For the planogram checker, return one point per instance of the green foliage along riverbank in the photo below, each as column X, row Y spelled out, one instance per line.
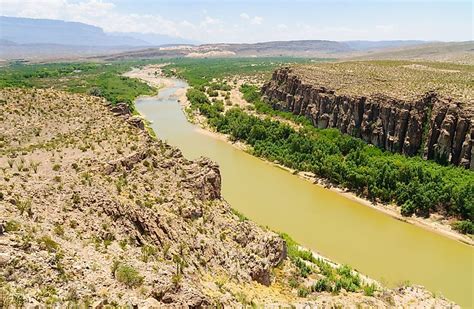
column 417, row 186
column 99, row 79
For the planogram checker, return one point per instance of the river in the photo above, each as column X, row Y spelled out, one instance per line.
column 322, row 220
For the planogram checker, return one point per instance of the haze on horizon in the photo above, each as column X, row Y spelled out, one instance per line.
column 263, row 20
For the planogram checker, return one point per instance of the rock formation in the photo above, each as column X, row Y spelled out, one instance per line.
column 430, row 124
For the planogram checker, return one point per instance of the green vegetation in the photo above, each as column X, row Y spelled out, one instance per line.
column 333, row 279
column 12, row 226
column 418, row 186
column 464, row 226
column 127, row 274
column 201, row 72
column 99, row 79
column 46, row 243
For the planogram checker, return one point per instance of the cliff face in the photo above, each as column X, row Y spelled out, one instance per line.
column 436, row 127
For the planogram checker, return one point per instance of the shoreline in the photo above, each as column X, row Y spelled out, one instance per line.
column 390, row 210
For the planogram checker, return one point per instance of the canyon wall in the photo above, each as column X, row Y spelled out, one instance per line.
column 435, row 127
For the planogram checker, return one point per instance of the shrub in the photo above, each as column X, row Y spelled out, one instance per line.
column 303, row 292
column 58, row 229
column 465, row 227
column 47, row 243
column 12, row 226
column 369, row 289
column 95, row 91
column 128, row 275
column 148, row 252
column 322, row 285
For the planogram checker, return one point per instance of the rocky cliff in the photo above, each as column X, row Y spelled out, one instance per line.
column 429, row 123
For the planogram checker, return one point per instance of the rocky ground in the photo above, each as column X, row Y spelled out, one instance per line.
column 96, row 211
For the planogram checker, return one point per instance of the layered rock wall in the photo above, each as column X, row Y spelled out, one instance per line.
column 436, row 127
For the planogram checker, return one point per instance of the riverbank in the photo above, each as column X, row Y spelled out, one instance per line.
column 392, row 210
column 432, row 224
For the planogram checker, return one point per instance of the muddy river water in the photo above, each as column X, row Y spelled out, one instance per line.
column 322, row 220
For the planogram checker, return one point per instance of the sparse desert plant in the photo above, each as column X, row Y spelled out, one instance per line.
column 34, row 166
column 166, row 249
column 75, row 166
column 73, row 224
column 20, row 166
column 176, row 279
column 58, row 229
column 128, row 275
column 76, row 198
column 12, row 226
column 303, row 292
column 322, row 285
column 369, row 289
column 56, row 167
column 148, row 252
column 123, row 244
column 46, row 243
column 86, row 178
column 24, row 207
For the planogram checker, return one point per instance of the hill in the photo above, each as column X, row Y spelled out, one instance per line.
column 459, row 52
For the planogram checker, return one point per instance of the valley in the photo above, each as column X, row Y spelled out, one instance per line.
column 142, row 189
column 236, row 154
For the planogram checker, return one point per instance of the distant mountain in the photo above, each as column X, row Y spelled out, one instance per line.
column 157, row 39
column 375, row 45
column 459, row 52
column 300, row 47
column 48, row 31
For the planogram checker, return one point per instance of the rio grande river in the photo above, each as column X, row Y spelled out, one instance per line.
column 341, row 229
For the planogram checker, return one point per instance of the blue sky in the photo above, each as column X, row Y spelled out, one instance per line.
column 264, row 20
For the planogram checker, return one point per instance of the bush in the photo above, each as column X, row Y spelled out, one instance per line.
column 465, row 227
column 95, row 91
column 12, row 226
column 47, row 243
column 303, row 292
column 369, row 289
column 322, row 285
column 128, row 275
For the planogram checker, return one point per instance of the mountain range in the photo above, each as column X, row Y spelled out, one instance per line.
column 41, row 39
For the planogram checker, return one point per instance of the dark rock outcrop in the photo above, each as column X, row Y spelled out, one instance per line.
column 431, row 125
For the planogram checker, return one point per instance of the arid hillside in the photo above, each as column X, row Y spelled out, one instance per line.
column 95, row 211
column 404, row 107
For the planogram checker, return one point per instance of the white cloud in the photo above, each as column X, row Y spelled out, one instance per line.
column 256, row 20
column 104, row 14
column 244, row 16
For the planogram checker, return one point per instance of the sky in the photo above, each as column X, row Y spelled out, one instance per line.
column 250, row 21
